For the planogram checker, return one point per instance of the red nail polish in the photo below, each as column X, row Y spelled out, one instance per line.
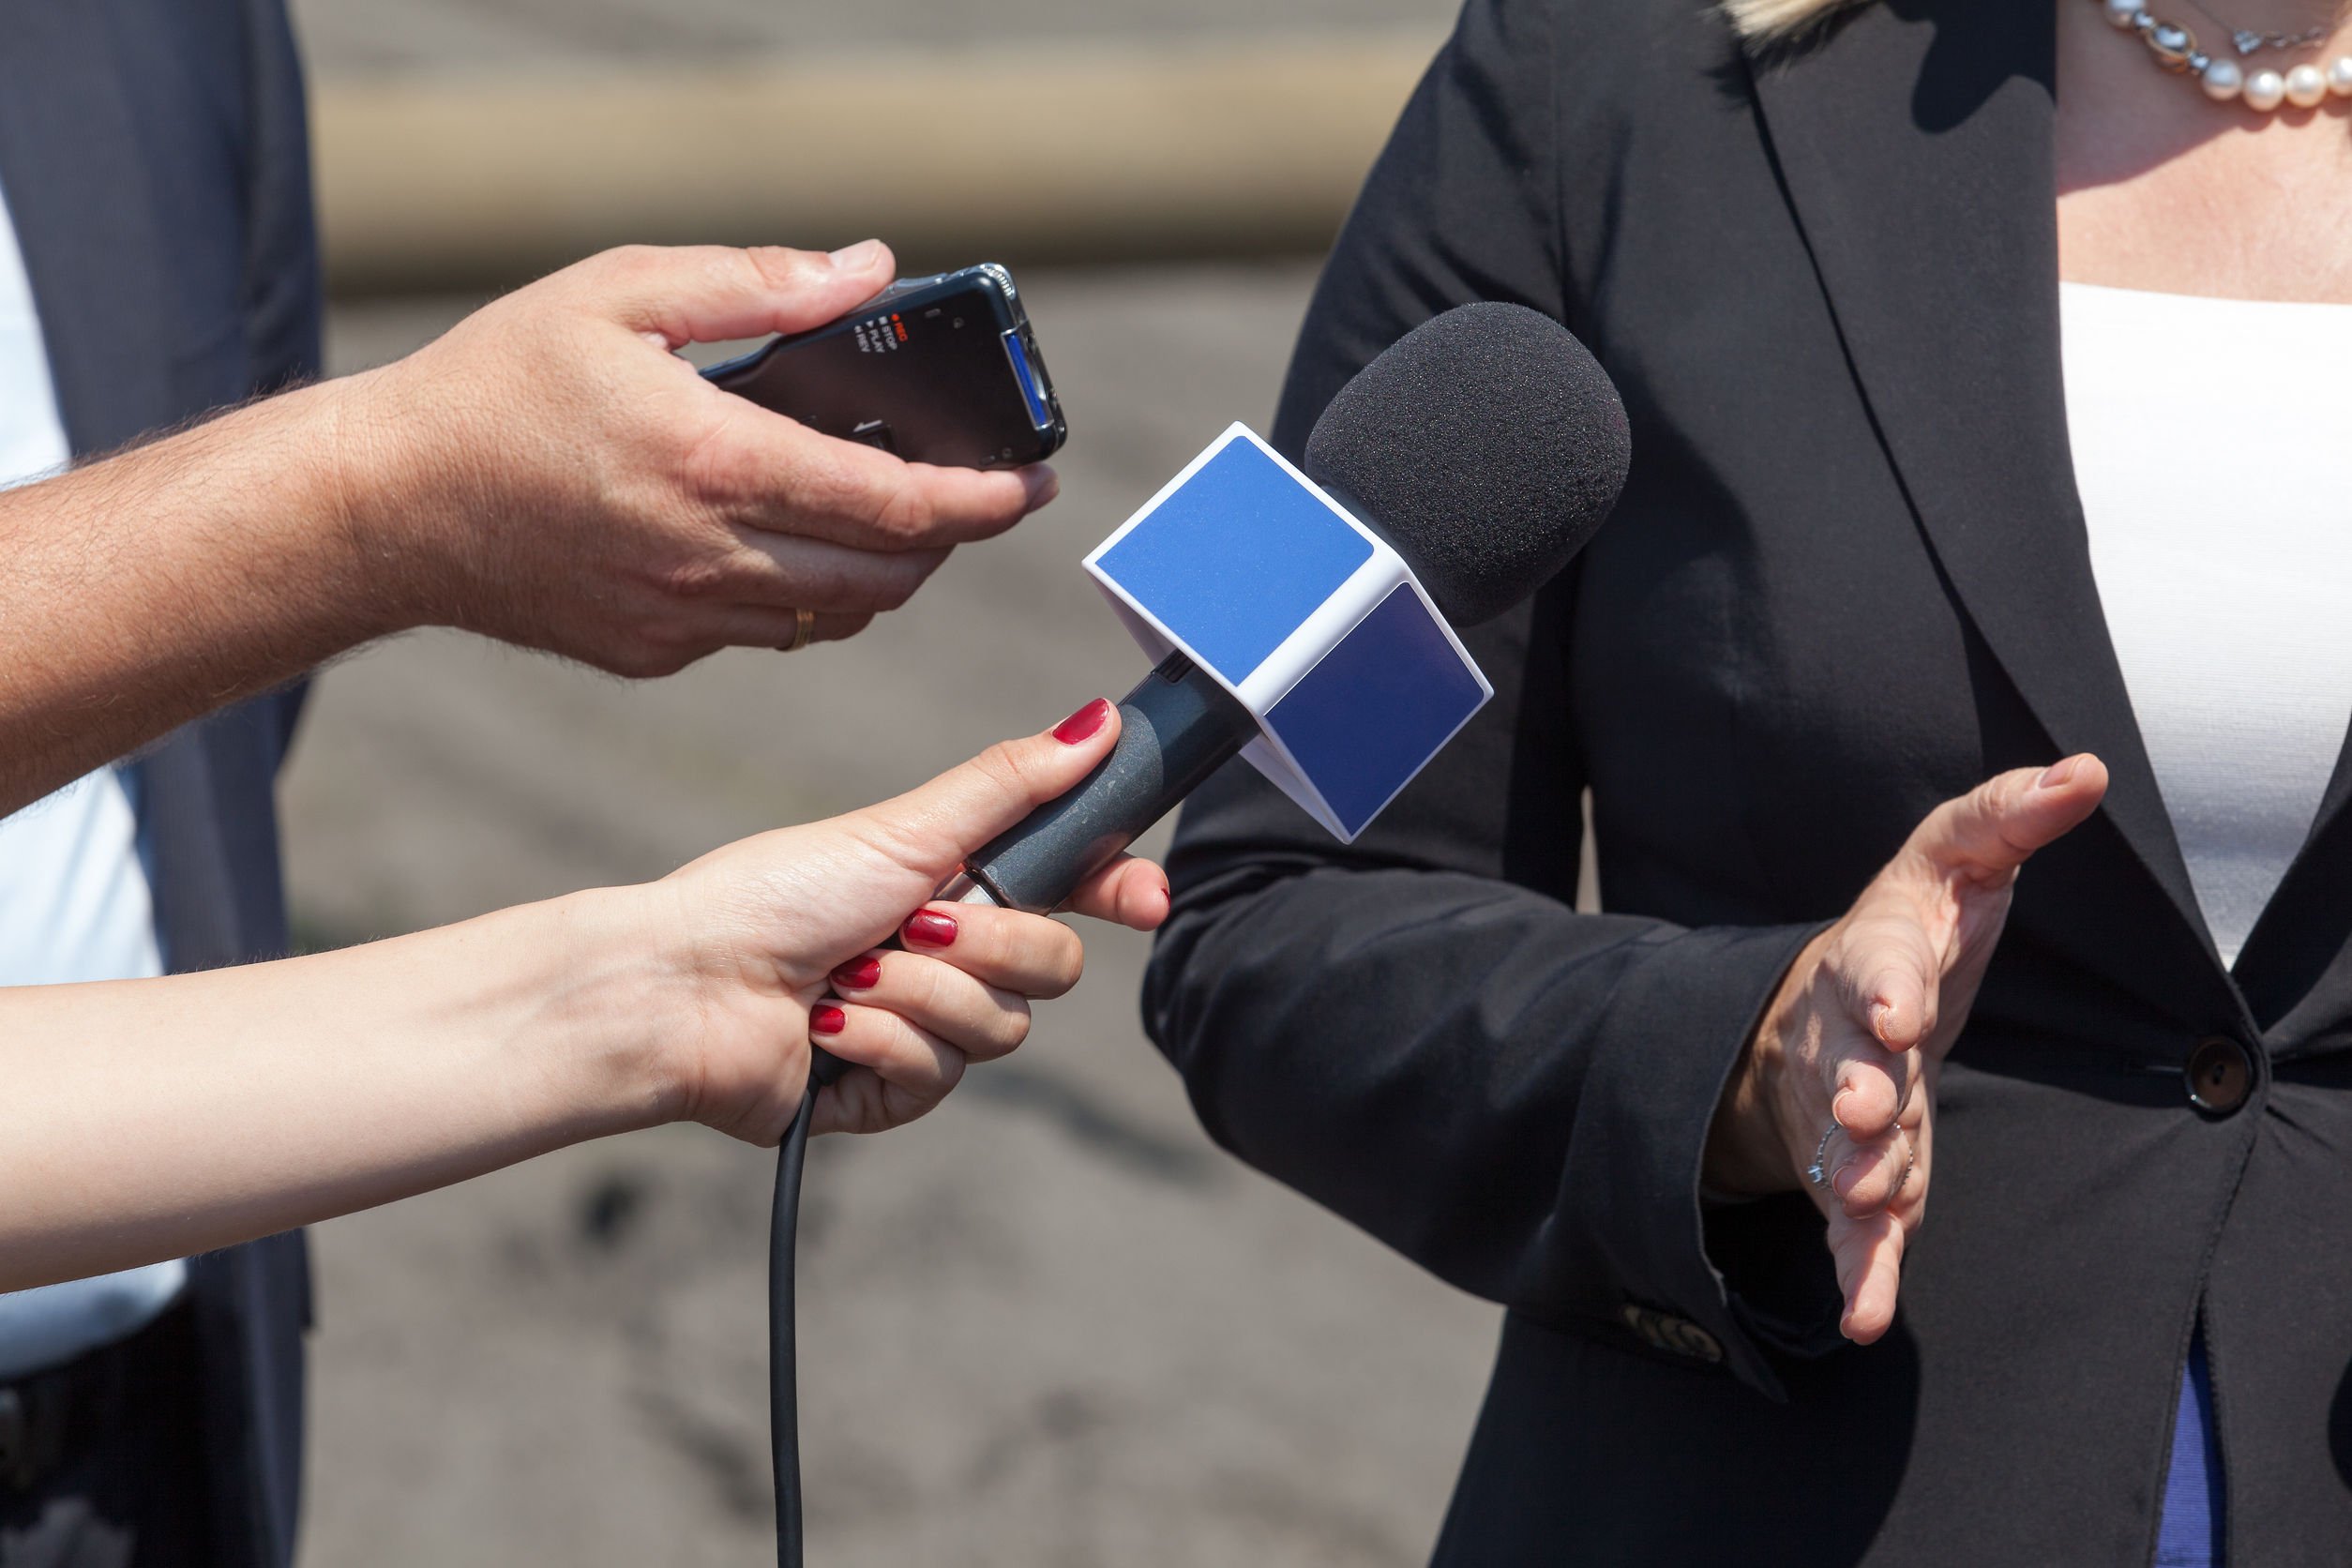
column 930, row 929
column 858, row 975
column 826, row 1018
column 1083, row 723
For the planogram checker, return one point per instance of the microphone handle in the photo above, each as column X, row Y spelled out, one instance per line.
column 1177, row 726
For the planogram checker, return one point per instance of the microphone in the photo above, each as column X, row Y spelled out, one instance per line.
column 1305, row 620
column 1300, row 620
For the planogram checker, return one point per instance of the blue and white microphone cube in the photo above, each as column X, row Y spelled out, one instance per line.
column 1310, row 619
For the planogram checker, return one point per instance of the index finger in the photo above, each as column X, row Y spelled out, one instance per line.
column 708, row 293
column 769, row 472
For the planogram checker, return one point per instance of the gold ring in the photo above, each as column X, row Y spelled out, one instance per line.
column 803, row 629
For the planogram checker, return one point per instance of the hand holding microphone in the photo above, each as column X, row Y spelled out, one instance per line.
column 458, row 1051
column 764, row 930
column 1836, row 1092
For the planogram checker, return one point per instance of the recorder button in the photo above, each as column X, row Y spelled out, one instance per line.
column 876, row 432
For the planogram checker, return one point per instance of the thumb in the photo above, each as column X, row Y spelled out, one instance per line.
column 706, row 294
column 934, row 828
column 1988, row 833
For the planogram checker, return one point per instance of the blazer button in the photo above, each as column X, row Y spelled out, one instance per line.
column 1693, row 1341
column 2220, row 1074
column 1675, row 1336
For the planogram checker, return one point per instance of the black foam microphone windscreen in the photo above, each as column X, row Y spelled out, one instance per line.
column 1487, row 445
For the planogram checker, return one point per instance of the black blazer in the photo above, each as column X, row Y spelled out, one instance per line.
column 156, row 167
column 1849, row 579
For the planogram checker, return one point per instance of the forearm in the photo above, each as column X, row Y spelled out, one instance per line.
column 1414, row 1050
column 1515, row 1096
column 152, row 588
column 151, row 1119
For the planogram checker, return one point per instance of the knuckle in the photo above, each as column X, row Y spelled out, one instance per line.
column 630, row 263
column 934, row 991
column 697, row 581
column 817, row 478
column 906, row 514
column 1065, row 961
column 778, row 266
column 1006, row 766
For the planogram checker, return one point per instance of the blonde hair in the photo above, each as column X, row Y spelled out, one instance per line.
column 1779, row 20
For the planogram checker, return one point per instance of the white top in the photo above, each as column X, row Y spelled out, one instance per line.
column 2204, row 434
column 74, row 902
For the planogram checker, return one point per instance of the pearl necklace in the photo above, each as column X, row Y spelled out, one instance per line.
column 2175, row 47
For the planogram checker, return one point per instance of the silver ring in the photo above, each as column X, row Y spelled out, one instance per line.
column 1908, row 1166
column 804, row 628
column 1815, row 1172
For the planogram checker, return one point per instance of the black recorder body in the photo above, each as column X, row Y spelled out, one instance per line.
column 940, row 369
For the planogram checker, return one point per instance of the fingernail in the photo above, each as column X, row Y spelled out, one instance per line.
column 1843, row 1181
column 1837, row 1109
column 2057, row 773
column 1083, row 723
column 851, row 258
column 1043, row 483
column 826, row 1018
column 930, row 929
column 858, row 975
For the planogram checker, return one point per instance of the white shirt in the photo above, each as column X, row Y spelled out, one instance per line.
column 2205, row 433
column 74, row 900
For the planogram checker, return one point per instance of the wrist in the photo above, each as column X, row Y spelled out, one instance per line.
column 1737, row 1164
column 602, row 1004
column 387, row 524
column 1746, row 1153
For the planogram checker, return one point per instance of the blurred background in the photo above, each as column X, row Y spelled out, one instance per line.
column 1050, row 1324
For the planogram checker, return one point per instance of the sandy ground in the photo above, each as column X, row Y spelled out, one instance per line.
column 1048, row 1325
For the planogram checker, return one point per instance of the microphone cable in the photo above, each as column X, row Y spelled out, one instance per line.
column 791, row 1158
column 783, row 1387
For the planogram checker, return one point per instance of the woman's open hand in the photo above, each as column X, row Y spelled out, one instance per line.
column 1836, row 1092
column 768, row 926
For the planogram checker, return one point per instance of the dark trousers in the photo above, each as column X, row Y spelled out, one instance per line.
column 115, row 1476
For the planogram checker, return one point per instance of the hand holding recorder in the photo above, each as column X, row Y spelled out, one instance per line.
column 549, row 473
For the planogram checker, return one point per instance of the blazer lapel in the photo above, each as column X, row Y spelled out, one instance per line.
column 1915, row 146
column 2296, row 969
column 78, row 188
